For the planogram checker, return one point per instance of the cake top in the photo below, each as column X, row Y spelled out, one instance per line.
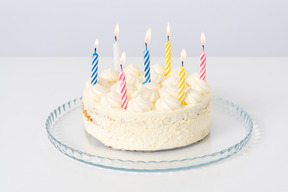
column 160, row 94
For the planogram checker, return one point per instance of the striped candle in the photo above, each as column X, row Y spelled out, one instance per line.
column 203, row 65
column 168, row 59
column 116, row 56
column 168, row 53
column 147, row 58
column 181, row 94
column 123, row 88
column 203, row 59
column 94, row 71
column 147, row 67
column 181, row 85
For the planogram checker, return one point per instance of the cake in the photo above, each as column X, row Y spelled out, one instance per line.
column 154, row 119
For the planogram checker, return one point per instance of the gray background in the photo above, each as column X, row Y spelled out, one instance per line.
column 69, row 27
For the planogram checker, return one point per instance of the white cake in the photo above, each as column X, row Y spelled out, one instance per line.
column 154, row 119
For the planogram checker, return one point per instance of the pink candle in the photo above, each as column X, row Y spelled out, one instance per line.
column 123, row 88
column 203, row 59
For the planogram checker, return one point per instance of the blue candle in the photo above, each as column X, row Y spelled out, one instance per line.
column 147, row 58
column 94, row 71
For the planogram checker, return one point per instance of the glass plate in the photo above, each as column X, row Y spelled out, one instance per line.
column 231, row 129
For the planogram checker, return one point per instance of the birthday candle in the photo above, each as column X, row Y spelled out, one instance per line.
column 182, row 79
column 147, row 58
column 203, row 59
column 168, row 53
column 116, row 50
column 94, row 71
column 123, row 88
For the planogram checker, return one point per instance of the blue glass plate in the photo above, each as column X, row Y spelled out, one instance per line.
column 231, row 129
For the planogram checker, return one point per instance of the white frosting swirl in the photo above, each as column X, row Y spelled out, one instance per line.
column 88, row 83
column 176, row 72
column 111, row 99
column 159, row 69
column 100, row 81
column 103, row 82
column 197, row 84
column 94, row 92
column 132, row 70
column 156, row 77
column 139, row 104
column 131, row 79
column 171, row 90
column 147, row 93
column 153, row 85
column 192, row 96
column 130, row 88
column 109, row 75
column 168, row 103
column 172, row 80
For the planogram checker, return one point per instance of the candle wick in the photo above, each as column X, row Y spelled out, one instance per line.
column 146, row 45
column 115, row 38
column 182, row 63
column 95, row 49
column 121, row 66
column 203, row 47
column 168, row 37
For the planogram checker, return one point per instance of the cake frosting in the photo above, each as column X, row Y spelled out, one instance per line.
column 154, row 118
column 109, row 75
column 168, row 103
column 139, row 104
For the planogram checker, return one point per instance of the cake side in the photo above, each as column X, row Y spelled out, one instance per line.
column 152, row 131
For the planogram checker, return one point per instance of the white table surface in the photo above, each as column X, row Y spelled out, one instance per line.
column 32, row 87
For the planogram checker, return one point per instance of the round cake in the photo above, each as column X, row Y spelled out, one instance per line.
column 154, row 119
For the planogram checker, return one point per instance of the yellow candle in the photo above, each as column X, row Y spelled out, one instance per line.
column 168, row 53
column 182, row 79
